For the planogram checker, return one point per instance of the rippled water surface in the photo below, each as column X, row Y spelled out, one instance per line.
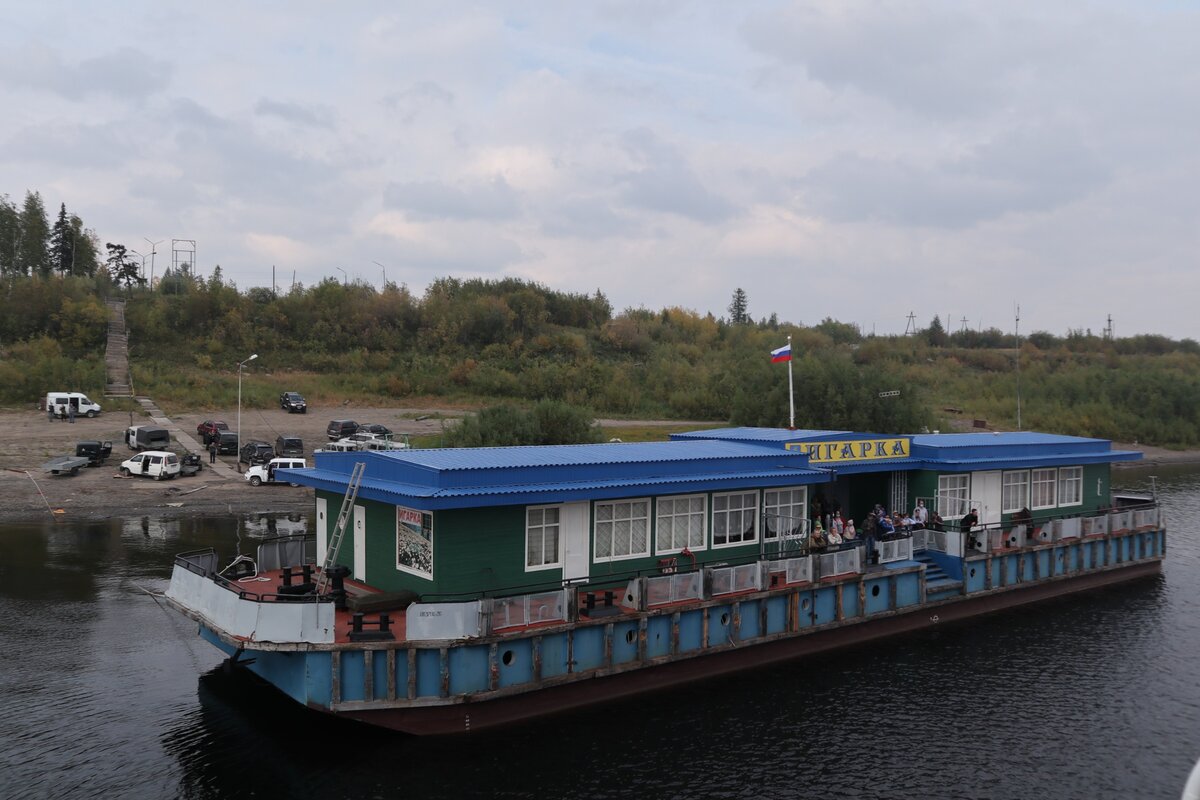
column 107, row 694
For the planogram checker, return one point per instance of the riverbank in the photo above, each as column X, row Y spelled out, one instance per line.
column 28, row 439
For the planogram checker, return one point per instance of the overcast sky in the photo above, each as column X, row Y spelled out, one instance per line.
column 860, row 160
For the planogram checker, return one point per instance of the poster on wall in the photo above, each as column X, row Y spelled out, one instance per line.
column 414, row 541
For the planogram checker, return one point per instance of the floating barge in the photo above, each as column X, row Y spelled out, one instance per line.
column 479, row 587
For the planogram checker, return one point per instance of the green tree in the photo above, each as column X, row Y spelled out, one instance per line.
column 122, row 268
column 62, row 243
column 10, row 235
column 32, row 247
column 935, row 334
column 85, row 254
column 739, row 308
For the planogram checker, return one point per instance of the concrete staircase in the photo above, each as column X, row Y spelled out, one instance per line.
column 118, row 382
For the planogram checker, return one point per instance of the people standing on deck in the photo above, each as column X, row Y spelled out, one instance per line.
column 884, row 526
column 817, row 542
column 869, row 531
column 968, row 522
column 920, row 514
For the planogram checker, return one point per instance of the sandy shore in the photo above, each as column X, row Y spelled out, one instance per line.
column 27, row 440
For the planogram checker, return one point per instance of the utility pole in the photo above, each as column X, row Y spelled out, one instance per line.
column 1017, row 328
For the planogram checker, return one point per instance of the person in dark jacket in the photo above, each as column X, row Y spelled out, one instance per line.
column 212, row 451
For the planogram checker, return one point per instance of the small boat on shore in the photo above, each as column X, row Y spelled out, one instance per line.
column 446, row 591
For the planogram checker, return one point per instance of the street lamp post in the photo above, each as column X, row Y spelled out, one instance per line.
column 153, row 250
column 241, row 364
column 384, row 270
column 344, row 278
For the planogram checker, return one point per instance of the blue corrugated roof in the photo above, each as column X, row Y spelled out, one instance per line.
column 999, row 437
column 759, row 435
column 572, row 455
column 432, row 499
column 729, row 458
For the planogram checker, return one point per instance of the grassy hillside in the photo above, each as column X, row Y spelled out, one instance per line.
column 473, row 343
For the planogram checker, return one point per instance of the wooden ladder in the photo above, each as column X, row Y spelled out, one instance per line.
column 339, row 530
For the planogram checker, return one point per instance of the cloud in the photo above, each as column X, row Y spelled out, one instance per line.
column 661, row 180
column 947, row 62
column 429, row 200
column 295, row 113
column 1025, row 171
column 410, row 103
column 126, row 73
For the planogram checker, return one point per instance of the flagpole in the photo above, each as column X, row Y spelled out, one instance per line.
column 791, row 395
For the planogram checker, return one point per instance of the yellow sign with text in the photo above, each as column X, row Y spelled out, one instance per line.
column 855, row 450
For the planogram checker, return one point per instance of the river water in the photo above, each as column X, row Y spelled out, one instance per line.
column 108, row 694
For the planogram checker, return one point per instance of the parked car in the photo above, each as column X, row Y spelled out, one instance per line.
column 259, row 474
column 375, row 428
column 190, row 464
column 157, row 464
column 147, row 437
column 210, row 429
column 227, row 443
column 341, row 428
column 289, row 446
column 95, row 452
column 256, row 452
column 293, row 402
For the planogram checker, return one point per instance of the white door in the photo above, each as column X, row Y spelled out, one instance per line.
column 575, row 518
column 322, row 529
column 985, row 490
column 360, row 543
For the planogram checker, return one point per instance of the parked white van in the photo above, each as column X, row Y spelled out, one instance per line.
column 57, row 404
column 265, row 473
column 157, row 464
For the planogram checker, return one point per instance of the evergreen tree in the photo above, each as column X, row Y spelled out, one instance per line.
column 32, row 250
column 935, row 334
column 85, row 254
column 738, row 308
column 10, row 235
column 62, row 243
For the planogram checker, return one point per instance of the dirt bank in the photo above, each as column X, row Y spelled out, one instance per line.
column 28, row 439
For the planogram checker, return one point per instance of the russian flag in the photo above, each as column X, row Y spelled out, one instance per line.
column 781, row 354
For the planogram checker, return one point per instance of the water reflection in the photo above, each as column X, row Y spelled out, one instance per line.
column 109, row 693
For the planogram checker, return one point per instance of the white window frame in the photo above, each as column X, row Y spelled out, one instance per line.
column 770, row 508
column 558, row 524
column 1038, row 477
column 1017, row 479
column 740, row 511
column 960, row 496
column 615, row 505
column 676, row 516
column 1066, row 477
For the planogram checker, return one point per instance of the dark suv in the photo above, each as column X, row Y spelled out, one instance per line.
column 293, row 402
column 210, row 429
column 289, row 446
column 256, row 452
column 340, row 428
column 227, row 443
